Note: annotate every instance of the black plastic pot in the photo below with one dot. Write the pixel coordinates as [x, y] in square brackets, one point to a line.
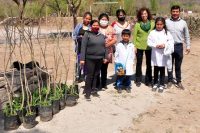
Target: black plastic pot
[11, 122]
[71, 100]
[46, 113]
[21, 114]
[56, 106]
[62, 103]
[29, 121]
[35, 109]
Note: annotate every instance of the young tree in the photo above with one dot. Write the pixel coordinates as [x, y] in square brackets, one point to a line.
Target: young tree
[73, 7]
[21, 6]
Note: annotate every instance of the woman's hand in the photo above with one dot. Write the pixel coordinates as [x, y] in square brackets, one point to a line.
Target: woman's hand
[82, 63]
[105, 61]
[160, 46]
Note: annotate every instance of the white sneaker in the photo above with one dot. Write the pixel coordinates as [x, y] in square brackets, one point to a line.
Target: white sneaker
[161, 88]
[155, 87]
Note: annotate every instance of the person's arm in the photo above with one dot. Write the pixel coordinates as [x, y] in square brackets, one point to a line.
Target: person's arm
[75, 32]
[83, 48]
[187, 38]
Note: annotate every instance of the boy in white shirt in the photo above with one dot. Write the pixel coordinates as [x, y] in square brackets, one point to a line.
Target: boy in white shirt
[124, 60]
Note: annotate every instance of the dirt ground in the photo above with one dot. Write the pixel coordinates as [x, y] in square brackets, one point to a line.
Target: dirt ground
[141, 111]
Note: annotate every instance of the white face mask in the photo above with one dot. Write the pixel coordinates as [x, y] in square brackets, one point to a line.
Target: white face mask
[103, 23]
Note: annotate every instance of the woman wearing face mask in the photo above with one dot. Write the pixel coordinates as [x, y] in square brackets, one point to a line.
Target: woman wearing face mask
[77, 35]
[109, 33]
[141, 31]
[93, 54]
[120, 24]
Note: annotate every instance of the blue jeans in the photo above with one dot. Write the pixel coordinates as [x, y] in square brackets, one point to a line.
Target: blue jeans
[123, 81]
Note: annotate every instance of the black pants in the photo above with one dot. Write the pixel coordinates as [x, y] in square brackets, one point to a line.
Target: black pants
[158, 70]
[177, 58]
[102, 81]
[148, 76]
[93, 69]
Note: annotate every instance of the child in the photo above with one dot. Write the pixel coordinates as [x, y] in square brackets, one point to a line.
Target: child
[162, 45]
[124, 60]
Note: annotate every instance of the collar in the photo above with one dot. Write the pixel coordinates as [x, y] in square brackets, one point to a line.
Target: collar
[125, 42]
[175, 20]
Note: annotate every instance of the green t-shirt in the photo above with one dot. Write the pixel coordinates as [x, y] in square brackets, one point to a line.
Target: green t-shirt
[140, 36]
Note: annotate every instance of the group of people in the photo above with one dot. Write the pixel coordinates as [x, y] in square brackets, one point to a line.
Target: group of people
[98, 43]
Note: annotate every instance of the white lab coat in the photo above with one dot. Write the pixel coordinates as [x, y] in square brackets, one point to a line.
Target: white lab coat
[161, 57]
[126, 56]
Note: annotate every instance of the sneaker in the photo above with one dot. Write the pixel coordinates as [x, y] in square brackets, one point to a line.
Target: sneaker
[87, 97]
[155, 87]
[119, 90]
[104, 88]
[161, 88]
[179, 85]
[169, 85]
[95, 94]
[138, 84]
[128, 89]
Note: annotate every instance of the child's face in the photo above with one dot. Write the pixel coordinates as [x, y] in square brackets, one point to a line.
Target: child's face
[125, 37]
[159, 25]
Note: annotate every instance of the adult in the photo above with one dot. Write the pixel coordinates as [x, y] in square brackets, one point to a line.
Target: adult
[141, 31]
[109, 33]
[120, 24]
[77, 35]
[93, 53]
[179, 30]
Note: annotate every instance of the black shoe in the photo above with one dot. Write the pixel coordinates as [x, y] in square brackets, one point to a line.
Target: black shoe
[149, 84]
[179, 85]
[104, 88]
[169, 85]
[95, 94]
[119, 90]
[87, 97]
[138, 84]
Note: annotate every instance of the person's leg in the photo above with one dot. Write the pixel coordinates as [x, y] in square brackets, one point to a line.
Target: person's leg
[178, 62]
[162, 76]
[90, 64]
[104, 69]
[155, 83]
[162, 79]
[170, 72]
[119, 83]
[127, 83]
[138, 74]
[148, 76]
[97, 68]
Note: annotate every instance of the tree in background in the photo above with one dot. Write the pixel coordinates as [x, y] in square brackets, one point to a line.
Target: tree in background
[73, 7]
[21, 6]
[154, 6]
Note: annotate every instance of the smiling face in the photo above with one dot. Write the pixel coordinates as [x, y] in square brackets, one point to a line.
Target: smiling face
[175, 13]
[86, 20]
[144, 15]
[125, 37]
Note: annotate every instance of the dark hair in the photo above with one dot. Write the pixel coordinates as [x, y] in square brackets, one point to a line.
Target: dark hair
[93, 21]
[139, 13]
[163, 21]
[127, 32]
[103, 15]
[175, 7]
[120, 11]
[87, 13]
